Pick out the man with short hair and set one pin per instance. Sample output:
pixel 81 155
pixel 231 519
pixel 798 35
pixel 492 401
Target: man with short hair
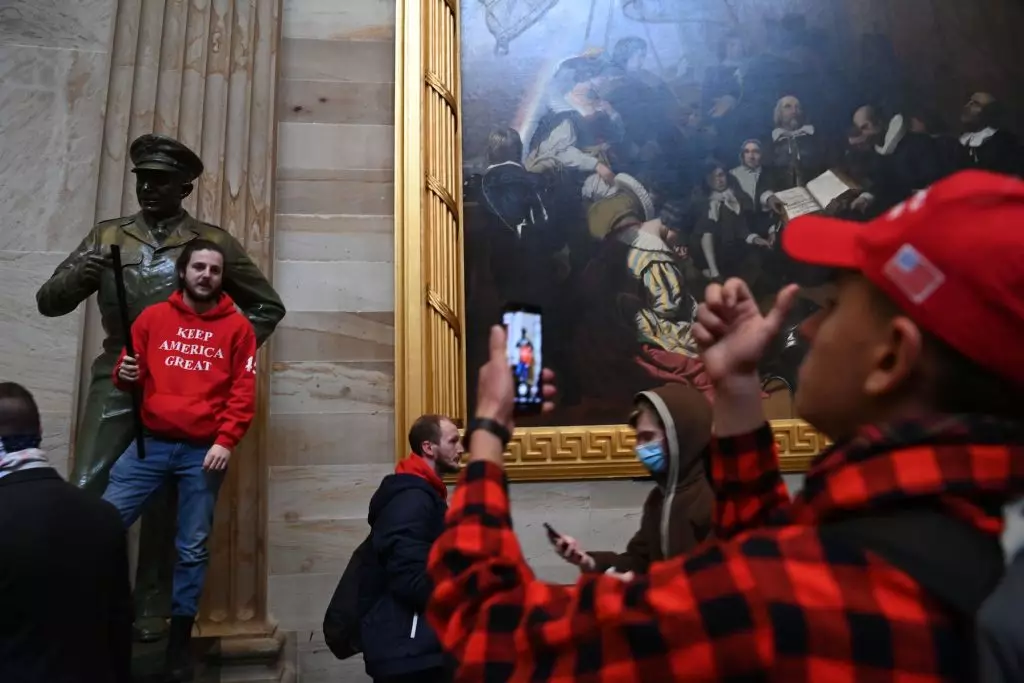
pixel 65 598
pixel 406 517
pixel 875 570
pixel 195 366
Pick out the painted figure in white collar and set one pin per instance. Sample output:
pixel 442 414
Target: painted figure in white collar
pixel 904 161
pixel 986 145
pixel 797 153
pixel 757 183
pixel 723 238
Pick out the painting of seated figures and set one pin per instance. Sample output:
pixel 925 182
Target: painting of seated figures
pixel 620 155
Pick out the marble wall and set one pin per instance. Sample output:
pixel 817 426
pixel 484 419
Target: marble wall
pixel 54 66
pixel 332 387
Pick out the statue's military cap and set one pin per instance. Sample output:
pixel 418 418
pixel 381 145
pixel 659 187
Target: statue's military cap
pixel 161 153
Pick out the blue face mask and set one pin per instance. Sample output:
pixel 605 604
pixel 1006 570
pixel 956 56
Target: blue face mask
pixel 652 457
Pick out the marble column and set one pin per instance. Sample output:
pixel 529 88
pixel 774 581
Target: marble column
pixel 204 72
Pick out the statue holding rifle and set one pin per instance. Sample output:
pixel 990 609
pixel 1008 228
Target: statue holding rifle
pixel 150 242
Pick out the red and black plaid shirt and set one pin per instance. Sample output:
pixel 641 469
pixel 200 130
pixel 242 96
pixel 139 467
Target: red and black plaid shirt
pixel 770 599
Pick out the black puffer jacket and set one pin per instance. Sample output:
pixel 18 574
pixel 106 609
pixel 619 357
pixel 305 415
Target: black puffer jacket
pixel 406 516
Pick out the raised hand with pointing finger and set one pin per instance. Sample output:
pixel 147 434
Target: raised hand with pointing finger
pixel 731 331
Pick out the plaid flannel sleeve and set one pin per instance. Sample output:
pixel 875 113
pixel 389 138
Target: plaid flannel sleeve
pixel 695 618
pixel 749 490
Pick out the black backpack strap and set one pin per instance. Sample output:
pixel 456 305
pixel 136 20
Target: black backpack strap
pixel 954 561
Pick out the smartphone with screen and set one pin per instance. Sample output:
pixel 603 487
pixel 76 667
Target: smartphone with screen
pixel 525 348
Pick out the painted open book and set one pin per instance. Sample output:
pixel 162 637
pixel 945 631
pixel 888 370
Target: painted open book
pixel 817 194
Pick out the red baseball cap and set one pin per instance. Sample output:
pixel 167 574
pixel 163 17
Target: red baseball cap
pixel 951 257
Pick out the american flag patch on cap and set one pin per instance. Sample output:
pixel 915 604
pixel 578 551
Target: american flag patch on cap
pixel 913 274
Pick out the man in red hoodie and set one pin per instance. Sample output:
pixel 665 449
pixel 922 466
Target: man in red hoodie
pixel 195 365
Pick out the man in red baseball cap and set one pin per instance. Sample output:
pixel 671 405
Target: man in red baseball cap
pixel 875 569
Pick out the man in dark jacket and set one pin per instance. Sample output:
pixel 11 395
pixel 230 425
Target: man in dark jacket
pixel 903 162
pixel 406 517
pixel 65 599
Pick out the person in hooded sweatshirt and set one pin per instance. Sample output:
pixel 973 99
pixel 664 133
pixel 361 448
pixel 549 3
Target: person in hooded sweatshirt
pixel 406 517
pixel 195 365
pixel 673 427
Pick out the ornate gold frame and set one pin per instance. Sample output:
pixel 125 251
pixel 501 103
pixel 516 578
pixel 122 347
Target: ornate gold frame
pixel 429 293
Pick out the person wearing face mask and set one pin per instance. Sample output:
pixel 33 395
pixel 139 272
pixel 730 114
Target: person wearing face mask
pixel 673 427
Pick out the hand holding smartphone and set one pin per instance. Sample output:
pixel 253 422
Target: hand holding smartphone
pixel 569 549
pixel 523 325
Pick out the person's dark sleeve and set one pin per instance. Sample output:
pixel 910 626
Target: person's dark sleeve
pixel 637 556
pixel 122 610
pixel 65 289
pixel 402 536
pixel 250 289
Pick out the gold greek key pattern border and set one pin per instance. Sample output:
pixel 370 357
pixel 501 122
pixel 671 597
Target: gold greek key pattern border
pixel 606 451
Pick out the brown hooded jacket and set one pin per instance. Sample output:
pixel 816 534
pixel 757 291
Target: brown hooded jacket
pixel 677 514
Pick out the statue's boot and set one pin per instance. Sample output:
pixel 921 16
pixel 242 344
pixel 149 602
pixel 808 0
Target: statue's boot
pixel 156 566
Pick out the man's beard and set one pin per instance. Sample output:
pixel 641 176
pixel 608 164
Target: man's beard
pixel 972 124
pixel 444 467
pixel 202 297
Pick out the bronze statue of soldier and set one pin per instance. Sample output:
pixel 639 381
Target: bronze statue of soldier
pixel 150 242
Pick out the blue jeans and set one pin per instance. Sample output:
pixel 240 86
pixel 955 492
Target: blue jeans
pixel 132 481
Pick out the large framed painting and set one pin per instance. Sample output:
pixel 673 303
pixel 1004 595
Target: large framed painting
pixel 604 160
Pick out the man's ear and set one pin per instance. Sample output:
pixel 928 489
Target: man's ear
pixel 186 189
pixel 897 358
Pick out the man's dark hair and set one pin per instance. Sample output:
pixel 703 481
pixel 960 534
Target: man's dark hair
pixel 993 115
pixel 504 145
pixel 181 265
pixel 425 428
pixel 625 48
pixel 677 215
pixel 876 114
pixel 709 167
pixel 19 414
pixel 963 386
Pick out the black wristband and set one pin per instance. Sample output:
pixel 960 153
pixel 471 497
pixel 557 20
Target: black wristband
pixel 488 425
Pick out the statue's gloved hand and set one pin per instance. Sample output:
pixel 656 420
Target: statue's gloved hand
pixel 91 268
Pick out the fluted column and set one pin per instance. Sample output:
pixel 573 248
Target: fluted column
pixel 204 72
pixel 430 356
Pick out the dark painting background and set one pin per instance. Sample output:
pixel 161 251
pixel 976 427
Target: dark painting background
pixel 923 58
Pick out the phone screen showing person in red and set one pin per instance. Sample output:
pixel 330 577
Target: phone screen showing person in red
pixel 524 356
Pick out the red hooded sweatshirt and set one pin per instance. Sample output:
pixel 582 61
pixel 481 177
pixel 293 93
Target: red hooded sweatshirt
pixel 197 371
